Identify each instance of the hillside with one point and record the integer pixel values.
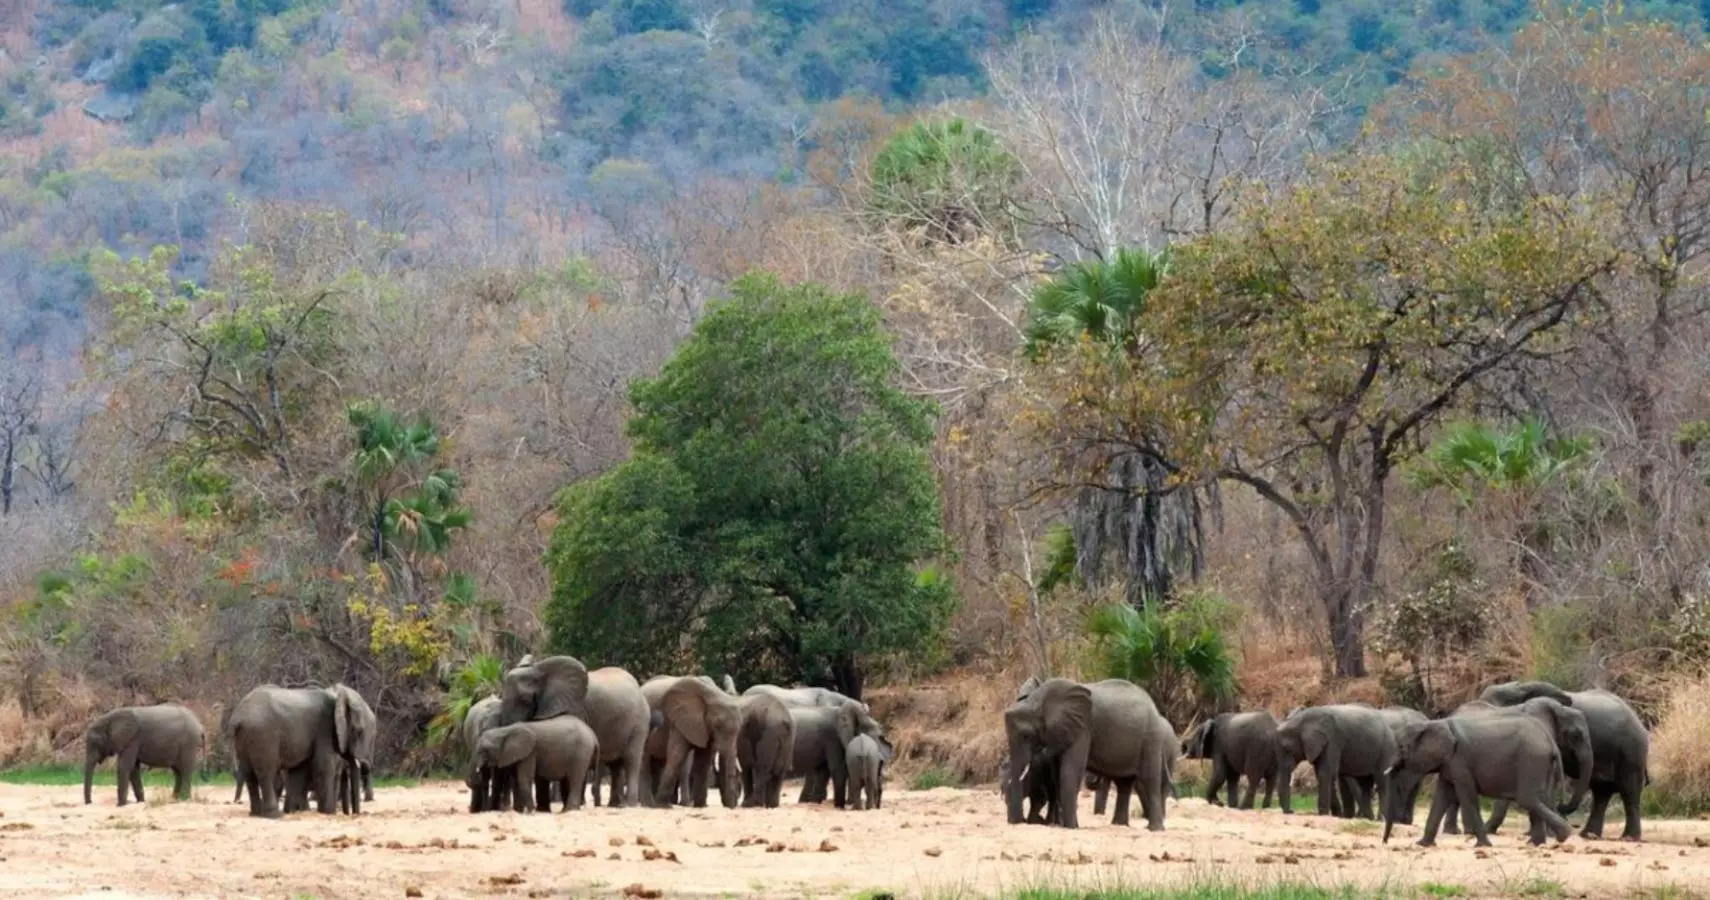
(1266, 352)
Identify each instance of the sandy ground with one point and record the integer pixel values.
(420, 841)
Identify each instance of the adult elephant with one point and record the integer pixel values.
(1239, 745)
(700, 722)
(804, 697)
(1566, 725)
(819, 749)
(165, 736)
(489, 788)
(1620, 749)
(609, 700)
(1341, 741)
(1405, 783)
(1507, 757)
(1110, 728)
(764, 748)
(308, 733)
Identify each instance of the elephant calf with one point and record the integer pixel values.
(561, 749)
(165, 736)
(1239, 744)
(866, 772)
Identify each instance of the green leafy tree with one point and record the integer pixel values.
(1307, 351)
(479, 678)
(951, 179)
(778, 515)
(411, 505)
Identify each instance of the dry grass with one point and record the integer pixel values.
(56, 736)
(953, 724)
(1680, 746)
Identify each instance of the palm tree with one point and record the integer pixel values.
(478, 678)
(952, 178)
(1139, 527)
(405, 504)
(1179, 655)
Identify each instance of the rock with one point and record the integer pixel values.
(934, 852)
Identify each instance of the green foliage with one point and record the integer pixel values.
(1102, 301)
(932, 778)
(777, 512)
(479, 678)
(949, 178)
(1445, 610)
(1060, 551)
(413, 507)
(1178, 653)
(1473, 455)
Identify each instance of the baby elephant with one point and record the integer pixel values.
(165, 736)
(558, 750)
(866, 770)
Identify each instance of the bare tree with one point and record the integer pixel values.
(20, 411)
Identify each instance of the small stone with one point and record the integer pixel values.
(645, 893)
(826, 846)
(580, 854)
(411, 890)
(934, 852)
(615, 842)
(641, 841)
(1606, 861)
(615, 857)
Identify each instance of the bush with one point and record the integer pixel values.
(1680, 750)
(1175, 651)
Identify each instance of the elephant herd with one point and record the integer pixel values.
(1517, 744)
(554, 729)
(554, 724)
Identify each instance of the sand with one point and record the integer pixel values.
(420, 841)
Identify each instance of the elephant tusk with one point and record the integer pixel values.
(1024, 771)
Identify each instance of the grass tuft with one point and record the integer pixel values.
(1680, 752)
(932, 778)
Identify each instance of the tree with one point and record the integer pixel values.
(1134, 524)
(1176, 653)
(778, 513)
(408, 502)
(951, 179)
(1307, 352)
(20, 415)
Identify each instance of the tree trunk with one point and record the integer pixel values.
(847, 676)
(1347, 622)
(8, 466)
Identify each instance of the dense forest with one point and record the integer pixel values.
(852, 343)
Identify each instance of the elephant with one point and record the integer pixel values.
(489, 788)
(1404, 787)
(804, 697)
(542, 752)
(1110, 728)
(608, 699)
(1509, 757)
(700, 721)
(1340, 741)
(1572, 734)
(763, 748)
(866, 772)
(306, 732)
(819, 752)
(1620, 748)
(1238, 744)
(165, 736)
(1040, 788)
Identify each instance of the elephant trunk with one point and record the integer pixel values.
(91, 758)
(1389, 809)
(1581, 780)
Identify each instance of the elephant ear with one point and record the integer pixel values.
(563, 688)
(517, 743)
(686, 710)
(1067, 712)
(122, 728)
(848, 723)
(1435, 741)
(1027, 687)
(341, 717)
(1514, 693)
(886, 751)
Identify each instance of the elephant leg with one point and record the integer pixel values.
(1631, 786)
(136, 781)
(543, 795)
(1466, 791)
(1364, 789)
(1124, 792)
(1069, 779)
(1442, 801)
(181, 775)
(1212, 787)
(839, 778)
(1329, 771)
(676, 753)
(574, 783)
(1270, 788)
(700, 776)
(1252, 788)
(1101, 796)
(125, 768)
(1498, 812)
(1381, 787)
(268, 780)
(367, 782)
(1601, 791)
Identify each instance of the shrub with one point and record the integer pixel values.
(1680, 748)
(1175, 651)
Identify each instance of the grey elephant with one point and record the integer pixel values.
(1341, 741)
(306, 732)
(763, 749)
(489, 788)
(1508, 757)
(866, 772)
(1110, 728)
(608, 699)
(804, 697)
(1572, 734)
(1239, 745)
(819, 752)
(1039, 786)
(163, 736)
(701, 722)
(542, 753)
(1404, 787)
(1620, 748)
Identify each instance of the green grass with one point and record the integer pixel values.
(1433, 889)
(931, 778)
(106, 776)
(1210, 891)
